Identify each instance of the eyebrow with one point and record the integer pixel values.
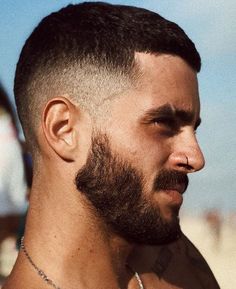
(168, 111)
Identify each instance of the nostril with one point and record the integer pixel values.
(188, 161)
(186, 167)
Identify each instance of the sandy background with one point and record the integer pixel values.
(220, 254)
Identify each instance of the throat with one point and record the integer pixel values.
(85, 251)
(125, 270)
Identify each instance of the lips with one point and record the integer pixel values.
(174, 196)
(180, 188)
(171, 185)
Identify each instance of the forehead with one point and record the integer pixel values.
(163, 80)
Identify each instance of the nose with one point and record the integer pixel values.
(186, 155)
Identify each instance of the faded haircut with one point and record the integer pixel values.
(87, 51)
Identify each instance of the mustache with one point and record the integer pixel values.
(167, 180)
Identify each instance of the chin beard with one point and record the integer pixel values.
(115, 191)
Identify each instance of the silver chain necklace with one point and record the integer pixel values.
(39, 271)
(50, 282)
(140, 283)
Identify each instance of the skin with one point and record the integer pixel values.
(64, 236)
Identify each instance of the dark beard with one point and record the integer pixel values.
(115, 190)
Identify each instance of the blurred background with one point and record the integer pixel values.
(209, 210)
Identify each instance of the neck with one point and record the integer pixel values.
(71, 244)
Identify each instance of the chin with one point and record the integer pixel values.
(169, 213)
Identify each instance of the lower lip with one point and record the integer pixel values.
(175, 197)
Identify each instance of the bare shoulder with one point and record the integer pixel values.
(198, 263)
(178, 265)
(182, 264)
(22, 276)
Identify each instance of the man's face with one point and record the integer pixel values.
(137, 168)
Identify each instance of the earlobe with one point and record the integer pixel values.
(59, 127)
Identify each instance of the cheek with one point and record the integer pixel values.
(145, 150)
(149, 157)
(154, 152)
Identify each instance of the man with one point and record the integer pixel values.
(13, 187)
(108, 99)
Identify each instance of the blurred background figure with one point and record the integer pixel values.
(13, 185)
(214, 220)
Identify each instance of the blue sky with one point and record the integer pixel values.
(212, 26)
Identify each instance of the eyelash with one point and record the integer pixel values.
(168, 123)
(164, 121)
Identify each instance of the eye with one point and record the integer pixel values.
(167, 126)
(166, 122)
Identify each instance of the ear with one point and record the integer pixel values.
(59, 121)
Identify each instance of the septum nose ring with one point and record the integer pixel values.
(187, 161)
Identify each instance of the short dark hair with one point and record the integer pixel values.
(77, 49)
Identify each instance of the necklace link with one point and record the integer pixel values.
(50, 282)
(39, 271)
